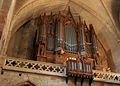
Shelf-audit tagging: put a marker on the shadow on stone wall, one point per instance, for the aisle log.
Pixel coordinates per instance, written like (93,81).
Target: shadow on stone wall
(116,12)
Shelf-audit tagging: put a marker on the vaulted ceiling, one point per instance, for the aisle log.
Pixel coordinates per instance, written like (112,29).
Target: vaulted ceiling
(103,14)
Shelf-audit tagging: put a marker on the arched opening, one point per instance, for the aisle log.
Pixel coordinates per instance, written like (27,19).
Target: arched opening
(26,83)
(22,42)
(54,38)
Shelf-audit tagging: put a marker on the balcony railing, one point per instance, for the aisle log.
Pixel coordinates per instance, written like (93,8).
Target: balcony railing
(53,69)
(106,76)
(34,67)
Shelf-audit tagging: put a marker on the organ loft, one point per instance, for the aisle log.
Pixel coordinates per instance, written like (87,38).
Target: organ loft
(61,38)
(55,48)
(56,38)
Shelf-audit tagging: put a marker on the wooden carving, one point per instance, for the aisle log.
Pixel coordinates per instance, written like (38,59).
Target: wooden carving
(62,32)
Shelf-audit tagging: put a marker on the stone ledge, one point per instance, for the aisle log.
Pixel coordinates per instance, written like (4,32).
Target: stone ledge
(28,66)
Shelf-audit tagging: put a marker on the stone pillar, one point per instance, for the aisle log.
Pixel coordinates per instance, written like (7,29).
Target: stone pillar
(7,31)
(1,2)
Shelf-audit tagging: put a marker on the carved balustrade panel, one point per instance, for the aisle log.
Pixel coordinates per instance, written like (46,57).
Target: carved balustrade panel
(106,76)
(34,67)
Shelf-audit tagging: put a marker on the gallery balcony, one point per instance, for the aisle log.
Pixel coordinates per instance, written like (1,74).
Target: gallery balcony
(44,68)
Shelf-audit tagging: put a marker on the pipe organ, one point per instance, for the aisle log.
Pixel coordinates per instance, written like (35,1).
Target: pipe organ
(62,39)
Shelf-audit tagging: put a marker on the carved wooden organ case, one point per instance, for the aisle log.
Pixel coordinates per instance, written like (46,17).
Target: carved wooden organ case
(62,36)
(66,39)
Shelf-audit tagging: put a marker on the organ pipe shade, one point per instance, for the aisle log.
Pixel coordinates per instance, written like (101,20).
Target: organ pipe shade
(82,39)
(59,33)
(70,38)
(94,43)
(50,43)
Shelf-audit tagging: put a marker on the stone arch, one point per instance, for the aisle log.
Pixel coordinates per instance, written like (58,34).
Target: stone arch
(22,42)
(26,83)
(26,12)
(33,8)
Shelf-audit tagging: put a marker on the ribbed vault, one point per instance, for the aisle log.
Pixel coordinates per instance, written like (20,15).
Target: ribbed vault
(92,11)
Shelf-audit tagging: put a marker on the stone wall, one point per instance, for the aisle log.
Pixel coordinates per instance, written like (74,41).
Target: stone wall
(13,78)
